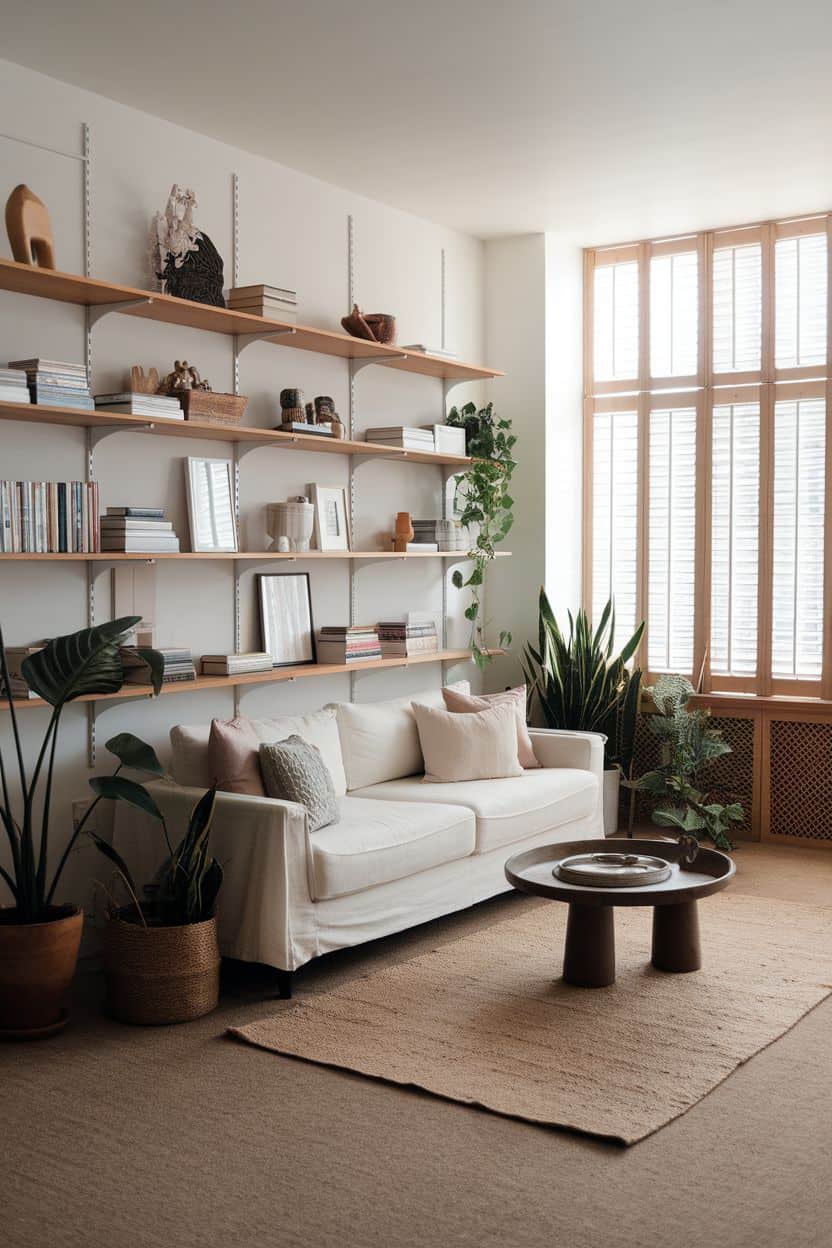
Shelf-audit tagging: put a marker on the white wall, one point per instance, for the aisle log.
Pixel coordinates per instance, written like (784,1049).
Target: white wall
(515,289)
(293,233)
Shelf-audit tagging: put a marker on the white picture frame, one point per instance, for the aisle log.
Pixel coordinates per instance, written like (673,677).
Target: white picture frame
(332,517)
(287,629)
(209,483)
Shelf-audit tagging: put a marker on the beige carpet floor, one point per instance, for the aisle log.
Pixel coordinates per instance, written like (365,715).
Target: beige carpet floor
(180,1138)
(483,1021)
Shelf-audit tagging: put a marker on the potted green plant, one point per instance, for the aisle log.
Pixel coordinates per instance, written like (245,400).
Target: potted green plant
(161,956)
(579,683)
(484,503)
(689,744)
(39,938)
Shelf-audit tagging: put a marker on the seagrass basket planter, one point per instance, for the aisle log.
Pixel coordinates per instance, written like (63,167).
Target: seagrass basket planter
(158,975)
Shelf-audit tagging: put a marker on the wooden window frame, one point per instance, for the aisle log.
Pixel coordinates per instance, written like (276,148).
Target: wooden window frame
(704,390)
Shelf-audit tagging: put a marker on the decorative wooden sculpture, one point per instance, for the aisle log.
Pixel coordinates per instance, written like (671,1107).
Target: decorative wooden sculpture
(403,533)
(373,326)
(29,228)
(184,377)
(142,382)
(183,259)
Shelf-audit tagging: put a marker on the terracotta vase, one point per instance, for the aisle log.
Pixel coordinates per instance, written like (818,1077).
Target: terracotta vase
(37,966)
(404,531)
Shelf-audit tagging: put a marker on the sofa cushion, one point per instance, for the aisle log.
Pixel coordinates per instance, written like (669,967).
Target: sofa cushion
(461,748)
(375,842)
(464,703)
(379,740)
(294,771)
(191,765)
(233,760)
(507,810)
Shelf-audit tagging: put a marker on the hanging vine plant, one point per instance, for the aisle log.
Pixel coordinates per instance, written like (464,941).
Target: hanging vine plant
(483,499)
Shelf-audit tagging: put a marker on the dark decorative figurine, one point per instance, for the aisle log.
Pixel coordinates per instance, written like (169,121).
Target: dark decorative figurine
(184,260)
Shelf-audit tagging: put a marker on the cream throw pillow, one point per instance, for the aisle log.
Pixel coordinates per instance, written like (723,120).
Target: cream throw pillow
(478,746)
(464,703)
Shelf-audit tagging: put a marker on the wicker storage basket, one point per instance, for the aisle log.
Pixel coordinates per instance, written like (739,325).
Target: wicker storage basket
(161,974)
(216,409)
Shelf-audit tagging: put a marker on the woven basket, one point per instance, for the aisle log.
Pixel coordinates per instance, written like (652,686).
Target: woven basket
(216,409)
(161,974)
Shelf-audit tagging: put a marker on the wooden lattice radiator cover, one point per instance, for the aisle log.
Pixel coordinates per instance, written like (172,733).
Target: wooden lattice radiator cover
(800,780)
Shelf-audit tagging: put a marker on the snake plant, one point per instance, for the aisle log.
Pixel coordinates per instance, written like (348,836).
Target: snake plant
(579,683)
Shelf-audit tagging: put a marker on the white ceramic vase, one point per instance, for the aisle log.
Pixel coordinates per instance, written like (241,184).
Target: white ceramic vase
(612,784)
(293,521)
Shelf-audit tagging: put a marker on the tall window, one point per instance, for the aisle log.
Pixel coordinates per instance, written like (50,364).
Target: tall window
(706,379)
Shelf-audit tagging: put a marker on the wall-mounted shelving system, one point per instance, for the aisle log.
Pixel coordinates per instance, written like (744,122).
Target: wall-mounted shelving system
(100,299)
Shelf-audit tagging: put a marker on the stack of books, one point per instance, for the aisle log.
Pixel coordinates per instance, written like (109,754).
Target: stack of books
(236,664)
(273,302)
(401,638)
(138,530)
(178,665)
(56,383)
(13,386)
(406,437)
(14,658)
(133,403)
(353,644)
(49,517)
(422,349)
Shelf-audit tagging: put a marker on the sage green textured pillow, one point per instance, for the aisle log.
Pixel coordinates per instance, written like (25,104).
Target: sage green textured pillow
(294,771)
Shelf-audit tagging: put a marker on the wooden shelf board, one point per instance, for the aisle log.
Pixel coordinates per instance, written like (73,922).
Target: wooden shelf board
(26,279)
(276,676)
(42,414)
(255,556)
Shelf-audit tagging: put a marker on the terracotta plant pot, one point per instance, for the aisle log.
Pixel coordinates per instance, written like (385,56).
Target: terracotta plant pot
(37,965)
(160,974)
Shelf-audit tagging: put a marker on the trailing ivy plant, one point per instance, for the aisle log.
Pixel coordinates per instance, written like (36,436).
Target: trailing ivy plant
(483,498)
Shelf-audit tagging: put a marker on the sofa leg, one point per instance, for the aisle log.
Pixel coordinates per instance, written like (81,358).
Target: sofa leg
(284,984)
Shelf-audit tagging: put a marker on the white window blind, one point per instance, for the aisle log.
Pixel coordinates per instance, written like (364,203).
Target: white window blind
(800,301)
(674,315)
(615,517)
(616,321)
(735,483)
(797,574)
(737,308)
(672,540)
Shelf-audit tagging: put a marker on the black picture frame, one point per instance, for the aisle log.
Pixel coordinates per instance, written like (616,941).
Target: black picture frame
(287,629)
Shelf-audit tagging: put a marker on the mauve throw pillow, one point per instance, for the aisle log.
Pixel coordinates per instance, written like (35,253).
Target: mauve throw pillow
(294,771)
(464,703)
(479,746)
(233,760)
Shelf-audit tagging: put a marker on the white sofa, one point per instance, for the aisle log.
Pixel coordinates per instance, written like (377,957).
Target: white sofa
(403,852)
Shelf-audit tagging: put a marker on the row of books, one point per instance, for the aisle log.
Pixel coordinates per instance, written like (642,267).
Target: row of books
(400,639)
(446,439)
(55,382)
(387,640)
(138,530)
(49,517)
(13,386)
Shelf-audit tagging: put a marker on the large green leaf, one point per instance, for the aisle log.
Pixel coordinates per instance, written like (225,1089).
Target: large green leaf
(120,789)
(86,662)
(132,752)
(115,857)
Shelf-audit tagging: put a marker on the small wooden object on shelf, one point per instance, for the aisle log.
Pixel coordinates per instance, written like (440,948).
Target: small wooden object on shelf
(403,533)
(217,409)
(29,228)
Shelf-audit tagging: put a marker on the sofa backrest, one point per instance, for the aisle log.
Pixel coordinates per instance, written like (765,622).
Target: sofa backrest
(380,740)
(189,743)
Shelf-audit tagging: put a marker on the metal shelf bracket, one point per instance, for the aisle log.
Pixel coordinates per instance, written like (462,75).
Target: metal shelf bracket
(245,340)
(96,310)
(97,433)
(357,365)
(448,384)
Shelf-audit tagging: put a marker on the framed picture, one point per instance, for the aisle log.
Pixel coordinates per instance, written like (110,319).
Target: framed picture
(211,504)
(286,618)
(332,521)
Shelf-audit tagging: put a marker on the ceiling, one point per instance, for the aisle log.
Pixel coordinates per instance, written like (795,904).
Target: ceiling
(600,119)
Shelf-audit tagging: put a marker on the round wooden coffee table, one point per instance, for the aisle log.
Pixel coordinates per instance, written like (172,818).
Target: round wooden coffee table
(589,954)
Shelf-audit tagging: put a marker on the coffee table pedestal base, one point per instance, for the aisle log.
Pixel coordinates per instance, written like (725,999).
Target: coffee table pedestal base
(676,937)
(589,956)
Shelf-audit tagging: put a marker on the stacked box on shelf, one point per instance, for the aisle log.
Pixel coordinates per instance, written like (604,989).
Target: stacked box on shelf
(138,530)
(56,383)
(236,664)
(354,644)
(178,666)
(49,517)
(272,302)
(404,437)
(401,638)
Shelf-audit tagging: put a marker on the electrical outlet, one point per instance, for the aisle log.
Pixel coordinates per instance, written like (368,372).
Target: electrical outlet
(79,809)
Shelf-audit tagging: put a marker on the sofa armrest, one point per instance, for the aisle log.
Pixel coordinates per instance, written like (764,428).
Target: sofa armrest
(556,747)
(263,846)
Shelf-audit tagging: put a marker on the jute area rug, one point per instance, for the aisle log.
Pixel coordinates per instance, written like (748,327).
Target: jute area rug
(487,1021)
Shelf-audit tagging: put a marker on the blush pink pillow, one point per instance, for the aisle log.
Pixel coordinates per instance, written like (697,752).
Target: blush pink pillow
(465,703)
(234,757)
